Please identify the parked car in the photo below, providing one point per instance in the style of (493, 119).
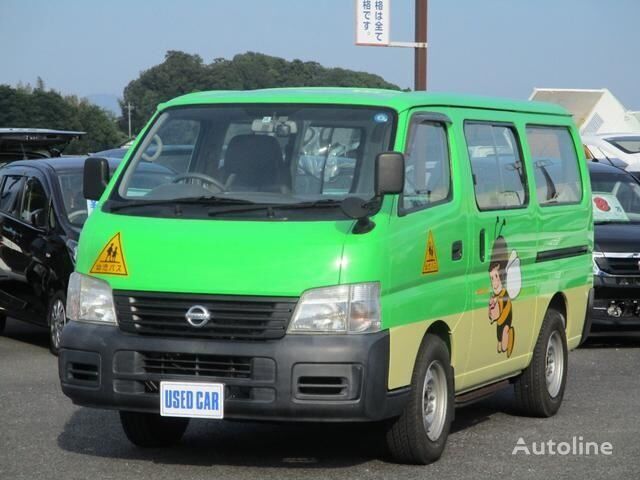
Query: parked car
(260, 283)
(621, 150)
(616, 256)
(42, 210)
(31, 143)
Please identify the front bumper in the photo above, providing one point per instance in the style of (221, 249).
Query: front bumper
(617, 291)
(296, 378)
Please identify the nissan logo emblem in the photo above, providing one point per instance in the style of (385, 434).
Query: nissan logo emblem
(197, 316)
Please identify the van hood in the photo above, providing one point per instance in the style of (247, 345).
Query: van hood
(279, 258)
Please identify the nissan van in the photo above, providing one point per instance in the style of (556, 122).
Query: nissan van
(334, 255)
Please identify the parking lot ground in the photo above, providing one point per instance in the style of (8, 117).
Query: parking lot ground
(42, 435)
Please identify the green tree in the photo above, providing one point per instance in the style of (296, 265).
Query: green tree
(182, 73)
(25, 107)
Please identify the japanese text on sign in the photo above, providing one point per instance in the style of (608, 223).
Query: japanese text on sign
(372, 22)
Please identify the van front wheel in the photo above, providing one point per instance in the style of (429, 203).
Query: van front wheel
(3, 323)
(152, 430)
(540, 388)
(418, 436)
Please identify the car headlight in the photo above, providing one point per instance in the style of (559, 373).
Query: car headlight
(339, 309)
(90, 300)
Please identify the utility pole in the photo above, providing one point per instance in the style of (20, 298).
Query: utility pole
(420, 65)
(129, 107)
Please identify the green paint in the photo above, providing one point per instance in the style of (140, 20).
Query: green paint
(284, 258)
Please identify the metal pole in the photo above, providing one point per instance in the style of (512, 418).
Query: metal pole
(129, 108)
(420, 68)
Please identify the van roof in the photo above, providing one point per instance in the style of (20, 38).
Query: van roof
(394, 99)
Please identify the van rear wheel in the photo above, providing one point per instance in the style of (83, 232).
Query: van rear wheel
(419, 435)
(540, 388)
(150, 430)
(3, 323)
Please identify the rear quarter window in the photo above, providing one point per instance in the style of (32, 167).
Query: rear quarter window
(555, 164)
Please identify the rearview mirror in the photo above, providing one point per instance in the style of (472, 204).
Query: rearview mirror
(389, 173)
(96, 177)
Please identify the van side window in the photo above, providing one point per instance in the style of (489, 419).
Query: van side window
(499, 179)
(427, 179)
(10, 193)
(556, 165)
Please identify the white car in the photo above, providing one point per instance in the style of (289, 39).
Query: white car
(620, 149)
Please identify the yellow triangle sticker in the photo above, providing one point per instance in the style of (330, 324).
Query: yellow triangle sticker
(430, 264)
(111, 259)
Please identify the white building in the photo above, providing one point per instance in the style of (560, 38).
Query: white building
(594, 111)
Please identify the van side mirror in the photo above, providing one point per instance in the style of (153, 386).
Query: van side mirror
(96, 177)
(389, 173)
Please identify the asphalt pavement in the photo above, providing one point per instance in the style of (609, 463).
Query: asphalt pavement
(44, 436)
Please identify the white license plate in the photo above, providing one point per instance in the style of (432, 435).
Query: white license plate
(196, 400)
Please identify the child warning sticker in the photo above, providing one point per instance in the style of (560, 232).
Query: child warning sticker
(111, 259)
(430, 264)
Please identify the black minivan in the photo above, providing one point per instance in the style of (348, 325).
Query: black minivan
(616, 255)
(42, 211)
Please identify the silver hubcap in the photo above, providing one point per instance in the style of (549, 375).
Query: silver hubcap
(434, 400)
(57, 322)
(554, 364)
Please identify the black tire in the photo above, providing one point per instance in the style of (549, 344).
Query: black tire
(150, 430)
(57, 301)
(533, 395)
(3, 323)
(407, 436)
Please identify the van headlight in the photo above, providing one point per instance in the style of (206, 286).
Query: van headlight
(339, 309)
(90, 299)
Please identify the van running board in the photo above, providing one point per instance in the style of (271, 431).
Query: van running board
(481, 393)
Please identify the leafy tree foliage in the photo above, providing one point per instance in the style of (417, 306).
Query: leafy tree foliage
(182, 73)
(28, 107)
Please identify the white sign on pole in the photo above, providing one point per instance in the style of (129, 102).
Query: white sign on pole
(372, 22)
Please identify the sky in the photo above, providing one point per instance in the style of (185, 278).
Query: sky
(488, 47)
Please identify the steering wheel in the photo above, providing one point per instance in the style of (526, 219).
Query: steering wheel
(73, 215)
(203, 177)
(159, 145)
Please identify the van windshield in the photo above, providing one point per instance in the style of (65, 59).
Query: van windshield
(280, 155)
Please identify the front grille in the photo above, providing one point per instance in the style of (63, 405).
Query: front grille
(83, 374)
(232, 317)
(195, 365)
(619, 266)
(322, 386)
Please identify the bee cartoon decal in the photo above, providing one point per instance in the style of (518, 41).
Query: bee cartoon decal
(506, 282)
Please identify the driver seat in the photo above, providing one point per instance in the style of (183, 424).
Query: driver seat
(254, 162)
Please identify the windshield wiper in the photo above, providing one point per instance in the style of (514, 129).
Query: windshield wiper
(270, 207)
(203, 200)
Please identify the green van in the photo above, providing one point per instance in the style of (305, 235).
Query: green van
(332, 255)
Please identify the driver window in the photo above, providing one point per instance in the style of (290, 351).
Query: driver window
(35, 199)
(327, 160)
(427, 168)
